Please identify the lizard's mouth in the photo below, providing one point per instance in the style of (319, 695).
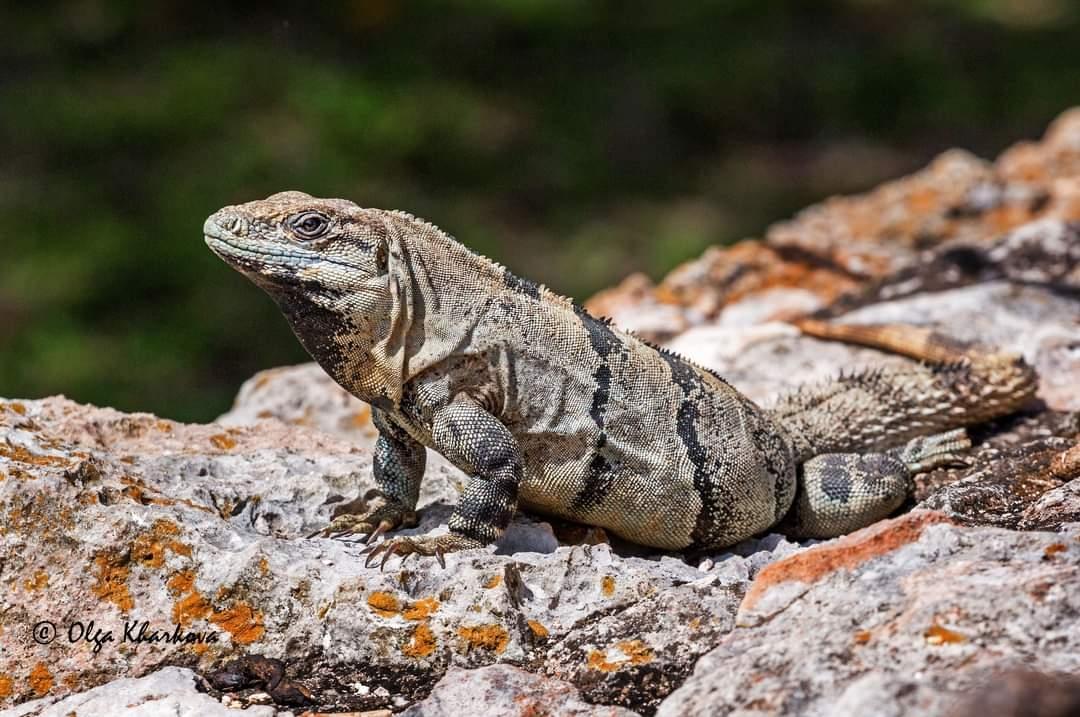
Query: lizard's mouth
(259, 255)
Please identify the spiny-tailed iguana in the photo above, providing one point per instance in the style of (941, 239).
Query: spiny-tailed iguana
(550, 409)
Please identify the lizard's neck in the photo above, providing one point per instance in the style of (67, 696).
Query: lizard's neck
(341, 347)
(440, 291)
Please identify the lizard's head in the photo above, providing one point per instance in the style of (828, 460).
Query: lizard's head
(338, 273)
(328, 251)
(360, 287)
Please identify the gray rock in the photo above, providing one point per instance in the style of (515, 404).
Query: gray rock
(1054, 508)
(303, 395)
(506, 690)
(897, 619)
(169, 692)
(1038, 322)
(126, 519)
(1022, 693)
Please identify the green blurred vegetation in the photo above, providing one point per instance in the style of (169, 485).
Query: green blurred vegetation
(574, 141)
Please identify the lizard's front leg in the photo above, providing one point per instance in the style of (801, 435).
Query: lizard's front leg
(478, 443)
(398, 467)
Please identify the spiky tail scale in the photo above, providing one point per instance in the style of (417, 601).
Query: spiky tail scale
(870, 410)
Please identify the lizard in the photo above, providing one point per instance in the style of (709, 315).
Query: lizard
(550, 409)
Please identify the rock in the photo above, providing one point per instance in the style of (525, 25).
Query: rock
(1022, 693)
(169, 692)
(633, 657)
(633, 304)
(1060, 506)
(846, 244)
(139, 525)
(1034, 321)
(1008, 473)
(133, 546)
(302, 395)
(896, 619)
(1054, 509)
(506, 690)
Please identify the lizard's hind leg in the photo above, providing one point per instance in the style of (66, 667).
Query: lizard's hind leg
(842, 492)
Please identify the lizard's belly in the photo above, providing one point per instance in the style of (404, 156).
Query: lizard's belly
(647, 499)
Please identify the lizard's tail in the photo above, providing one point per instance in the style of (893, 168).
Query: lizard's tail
(955, 385)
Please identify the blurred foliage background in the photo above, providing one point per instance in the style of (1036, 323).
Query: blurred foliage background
(574, 141)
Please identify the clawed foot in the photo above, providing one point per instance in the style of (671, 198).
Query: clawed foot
(404, 545)
(377, 513)
(929, 452)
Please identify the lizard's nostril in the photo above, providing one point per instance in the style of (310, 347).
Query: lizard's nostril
(226, 223)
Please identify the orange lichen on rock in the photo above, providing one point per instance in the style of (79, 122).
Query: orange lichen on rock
(362, 418)
(149, 548)
(938, 635)
(244, 624)
(41, 680)
(181, 582)
(39, 580)
(6, 685)
(384, 604)
(223, 442)
(198, 648)
(812, 564)
(421, 643)
(862, 637)
(111, 583)
(538, 630)
(1053, 549)
(20, 454)
(634, 652)
(489, 637)
(607, 585)
(137, 491)
(419, 610)
(493, 582)
(264, 566)
(191, 605)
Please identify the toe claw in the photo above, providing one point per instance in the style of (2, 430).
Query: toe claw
(386, 555)
(373, 553)
(440, 558)
(382, 528)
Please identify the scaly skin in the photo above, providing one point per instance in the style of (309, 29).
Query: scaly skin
(550, 409)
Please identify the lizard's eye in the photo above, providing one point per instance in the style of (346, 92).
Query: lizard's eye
(309, 225)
